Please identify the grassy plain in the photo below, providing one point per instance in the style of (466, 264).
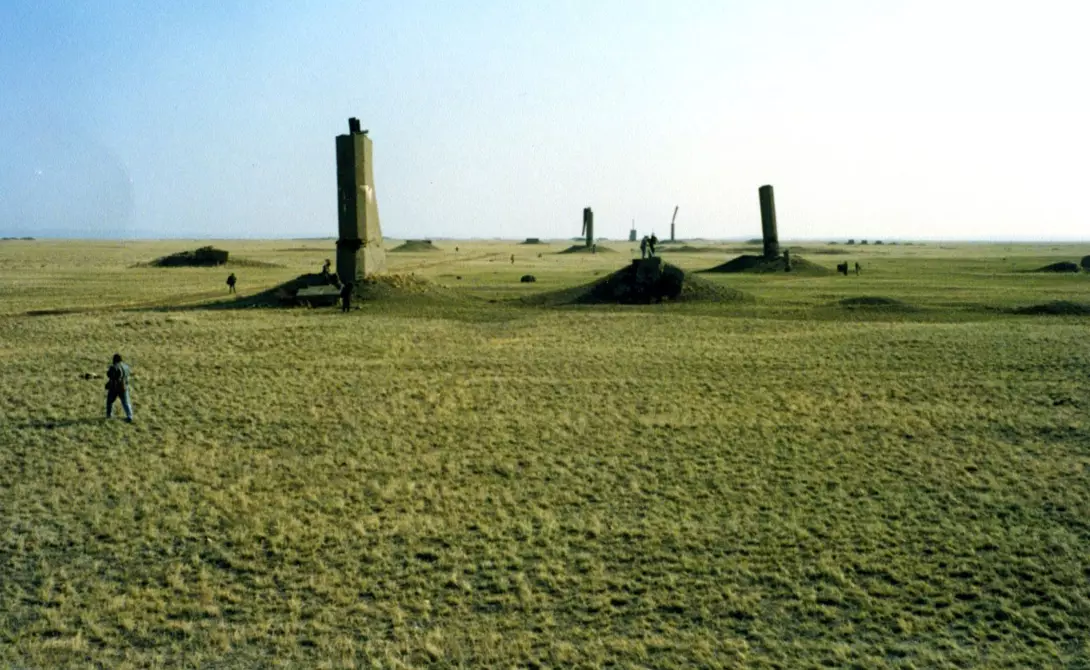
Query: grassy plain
(787, 483)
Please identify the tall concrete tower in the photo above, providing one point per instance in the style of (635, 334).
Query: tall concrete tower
(768, 222)
(588, 225)
(360, 251)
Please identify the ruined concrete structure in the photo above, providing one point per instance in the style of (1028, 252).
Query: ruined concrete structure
(360, 251)
(768, 222)
(632, 233)
(672, 220)
(588, 225)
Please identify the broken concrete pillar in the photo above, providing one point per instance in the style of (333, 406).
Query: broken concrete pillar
(768, 222)
(632, 233)
(588, 225)
(360, 251)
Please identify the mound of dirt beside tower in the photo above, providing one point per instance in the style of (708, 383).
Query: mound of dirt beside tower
(416, 245)
(761, 264)
(318, 290)
(584, 249)
(644, 281)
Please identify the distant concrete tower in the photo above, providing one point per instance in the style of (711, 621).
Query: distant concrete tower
(360, 251)
(588, 225)
(672, 220)
(632, 233)
(768, 222)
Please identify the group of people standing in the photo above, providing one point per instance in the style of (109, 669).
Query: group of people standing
(647, 246)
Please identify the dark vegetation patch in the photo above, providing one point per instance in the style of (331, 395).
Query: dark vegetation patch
(532, 240)
(1085, 263)
(876, 302)
(584, 249)
(689, 249)
(827, 252)
(760, 264)
(641, 282)
(1056, 308)
(416, 245)
(1062, 266)
(250, 263)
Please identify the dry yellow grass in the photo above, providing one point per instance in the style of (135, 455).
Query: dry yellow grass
(785, 484)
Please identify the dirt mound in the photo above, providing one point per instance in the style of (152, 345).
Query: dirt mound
(384, 288)
(205, 257)
(584, 249)
(416, 245)
(876, 302)
(400, 286)
(643, 281)
(760, 264)
(1062, 266)
(1056, 308)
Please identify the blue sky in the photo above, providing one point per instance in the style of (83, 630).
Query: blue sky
(872, 119)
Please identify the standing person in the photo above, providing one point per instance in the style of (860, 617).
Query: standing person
(651, 244)
(231, 279)
(118, 384)
(643, 247)
(512, 259)
(325, 268)
(346, 296)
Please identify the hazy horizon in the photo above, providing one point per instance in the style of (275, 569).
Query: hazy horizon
(922, 121)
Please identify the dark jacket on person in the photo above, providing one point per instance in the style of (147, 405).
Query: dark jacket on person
(118, 378)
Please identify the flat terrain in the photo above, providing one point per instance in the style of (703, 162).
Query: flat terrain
(883, 471)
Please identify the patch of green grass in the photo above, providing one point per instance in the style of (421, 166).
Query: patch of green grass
(782, 484)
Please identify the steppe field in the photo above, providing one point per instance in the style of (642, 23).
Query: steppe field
(889, 470)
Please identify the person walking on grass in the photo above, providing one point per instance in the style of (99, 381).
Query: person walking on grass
(231, 281)
(118, 385)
